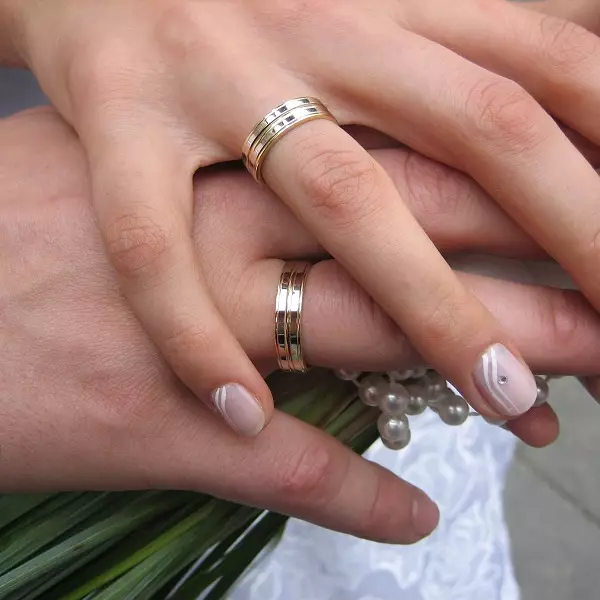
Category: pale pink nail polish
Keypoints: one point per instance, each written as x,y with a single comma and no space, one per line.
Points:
240,409
504,381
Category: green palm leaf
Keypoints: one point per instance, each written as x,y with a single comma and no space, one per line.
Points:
154,545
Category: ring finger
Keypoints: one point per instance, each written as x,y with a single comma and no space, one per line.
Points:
346,199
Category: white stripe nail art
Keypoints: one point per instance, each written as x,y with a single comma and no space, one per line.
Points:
505,382
240,409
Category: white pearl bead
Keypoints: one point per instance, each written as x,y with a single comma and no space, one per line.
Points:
397,445
434,403
395,400
497,422
435,400
400,375
453,410
435,383
420,371
417,403
371,388
543,391
393,429
346,375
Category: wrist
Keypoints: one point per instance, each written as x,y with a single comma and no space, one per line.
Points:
10,34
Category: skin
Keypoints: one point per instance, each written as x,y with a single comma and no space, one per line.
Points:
462,83
586,13
96,397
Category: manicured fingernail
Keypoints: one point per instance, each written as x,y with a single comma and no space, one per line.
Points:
425,514
505,382
239,408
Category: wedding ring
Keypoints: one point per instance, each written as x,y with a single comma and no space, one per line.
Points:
275,125
288,317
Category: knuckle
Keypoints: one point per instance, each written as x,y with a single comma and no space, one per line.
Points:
562,311
302,20
587,256
310,475
139,247
567,45
448,319
343,187
186,343
502,113
182,31
431,188
100,75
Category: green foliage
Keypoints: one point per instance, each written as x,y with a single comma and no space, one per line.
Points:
154,545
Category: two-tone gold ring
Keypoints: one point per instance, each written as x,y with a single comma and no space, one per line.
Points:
290,291
288,317
275,125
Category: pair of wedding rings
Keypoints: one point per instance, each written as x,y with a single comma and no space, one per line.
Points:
288,302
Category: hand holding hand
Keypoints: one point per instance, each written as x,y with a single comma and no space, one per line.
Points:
157,89
96,398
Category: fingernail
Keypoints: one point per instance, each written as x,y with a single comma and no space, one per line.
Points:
425,514
239,408
505,382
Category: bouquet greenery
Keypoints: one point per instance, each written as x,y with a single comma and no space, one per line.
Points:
156,545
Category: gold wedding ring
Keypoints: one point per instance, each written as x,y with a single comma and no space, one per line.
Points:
288,317
275,125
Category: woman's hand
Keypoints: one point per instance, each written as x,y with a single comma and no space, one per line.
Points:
157,89
95,397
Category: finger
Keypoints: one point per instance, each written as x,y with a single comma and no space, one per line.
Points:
495,132
347,200
452,209
297,470
143,202
557,331
582,12
538,427
343,328
555,60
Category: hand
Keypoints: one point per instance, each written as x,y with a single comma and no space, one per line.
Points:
157,89
585,13
95,397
